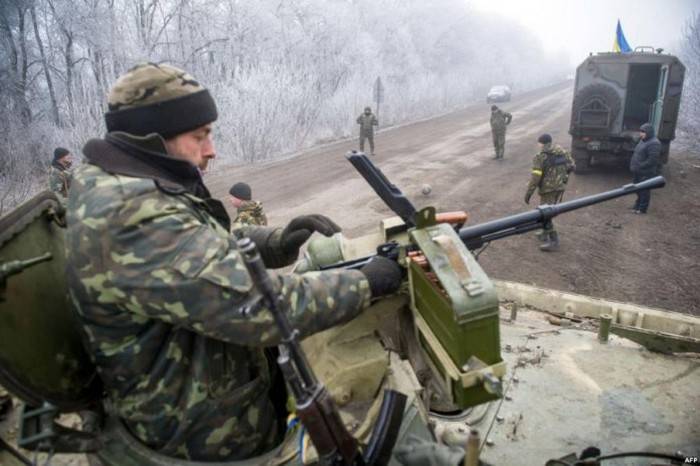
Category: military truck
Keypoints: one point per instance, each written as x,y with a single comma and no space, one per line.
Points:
614,94
488,378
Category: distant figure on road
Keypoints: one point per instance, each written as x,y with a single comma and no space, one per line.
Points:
550,173
499,121
367,122
249,212
60,174
645,164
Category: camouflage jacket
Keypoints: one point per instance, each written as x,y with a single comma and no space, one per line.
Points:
172,320
500,119
550,170
251,213
60,179
367,122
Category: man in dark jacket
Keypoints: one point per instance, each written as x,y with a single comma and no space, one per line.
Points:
645,164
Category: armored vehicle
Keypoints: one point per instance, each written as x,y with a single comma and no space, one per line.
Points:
614,94
487,376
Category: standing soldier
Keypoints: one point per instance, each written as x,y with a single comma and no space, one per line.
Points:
550,173
249,212
367,122
60,174
499,121
645,164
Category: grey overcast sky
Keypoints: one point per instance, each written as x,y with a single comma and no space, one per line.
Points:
576,27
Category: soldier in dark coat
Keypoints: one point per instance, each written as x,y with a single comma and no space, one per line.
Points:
645,164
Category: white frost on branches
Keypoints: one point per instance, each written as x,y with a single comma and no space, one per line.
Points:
689,120
286,74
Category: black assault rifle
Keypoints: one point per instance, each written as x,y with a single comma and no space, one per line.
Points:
314,405
476,236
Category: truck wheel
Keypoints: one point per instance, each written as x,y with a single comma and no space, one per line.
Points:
583,161
601,92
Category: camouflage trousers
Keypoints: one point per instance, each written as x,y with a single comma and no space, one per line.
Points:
550,198
499,143
370,137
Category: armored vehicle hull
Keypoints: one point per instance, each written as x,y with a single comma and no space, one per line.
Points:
614,94
444,341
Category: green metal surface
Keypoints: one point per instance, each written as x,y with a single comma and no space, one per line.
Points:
464,318
660,342
41,353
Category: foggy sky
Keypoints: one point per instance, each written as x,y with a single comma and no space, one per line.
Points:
576,27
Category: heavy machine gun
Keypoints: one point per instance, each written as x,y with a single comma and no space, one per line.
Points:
475,236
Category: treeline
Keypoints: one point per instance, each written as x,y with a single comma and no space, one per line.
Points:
285,73
689,120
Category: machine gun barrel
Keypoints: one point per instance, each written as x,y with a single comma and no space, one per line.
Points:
476,236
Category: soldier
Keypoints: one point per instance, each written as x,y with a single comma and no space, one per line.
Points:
550,173
60,173
367,122
645,164
174,323
499,121
249,212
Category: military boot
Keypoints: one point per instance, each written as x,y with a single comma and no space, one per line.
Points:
552,242
541,236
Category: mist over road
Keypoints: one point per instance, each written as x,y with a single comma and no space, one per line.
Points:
606,250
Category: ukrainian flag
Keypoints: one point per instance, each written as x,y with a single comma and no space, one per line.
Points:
620,44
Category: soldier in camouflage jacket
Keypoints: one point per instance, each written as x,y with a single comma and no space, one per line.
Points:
60,173
499,121
367,122
172,319
248,211
550,173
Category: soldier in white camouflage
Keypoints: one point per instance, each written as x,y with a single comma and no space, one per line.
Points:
60,173
499,121
174,323
367,122
550,173
248,211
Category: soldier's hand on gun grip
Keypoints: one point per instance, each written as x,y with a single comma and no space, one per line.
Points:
384,276
301,228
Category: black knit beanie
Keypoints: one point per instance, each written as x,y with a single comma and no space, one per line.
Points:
241,191
59,153
158,98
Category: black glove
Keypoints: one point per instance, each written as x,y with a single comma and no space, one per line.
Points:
300,228
383,275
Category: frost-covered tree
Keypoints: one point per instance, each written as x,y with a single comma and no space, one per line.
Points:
286,74
689,121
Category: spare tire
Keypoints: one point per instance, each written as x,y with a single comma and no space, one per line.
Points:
602,92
